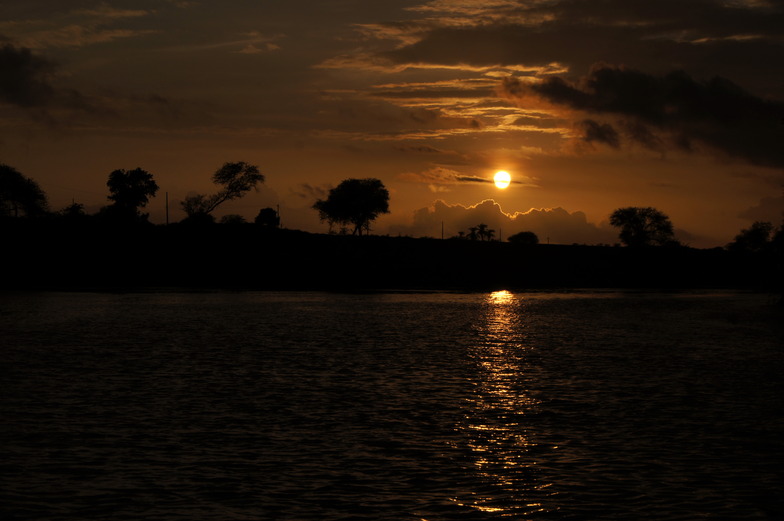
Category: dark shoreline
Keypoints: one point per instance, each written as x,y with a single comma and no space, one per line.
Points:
253,258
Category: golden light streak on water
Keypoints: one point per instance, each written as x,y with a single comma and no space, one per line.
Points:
496,436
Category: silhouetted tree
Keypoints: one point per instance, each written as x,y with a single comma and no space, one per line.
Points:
74,214
481,231
236,179
73,210
268,218
20,196
473,234
354,202
756,238
643,226
528,238
129,191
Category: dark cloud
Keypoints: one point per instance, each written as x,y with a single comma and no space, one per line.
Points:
539,121
24,77
438,176
311,192
707,37
769,209
600,132
27,82
715,113
420,149
434,93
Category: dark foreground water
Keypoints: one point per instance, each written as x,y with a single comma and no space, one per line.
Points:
317,406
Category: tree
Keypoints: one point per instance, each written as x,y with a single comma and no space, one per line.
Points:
74,214
756,238
131,189
236,179
528,238
20,196
481,231
268,218
354,202
642,226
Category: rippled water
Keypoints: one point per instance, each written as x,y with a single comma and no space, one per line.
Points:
437,406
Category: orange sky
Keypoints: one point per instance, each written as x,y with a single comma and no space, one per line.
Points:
590,106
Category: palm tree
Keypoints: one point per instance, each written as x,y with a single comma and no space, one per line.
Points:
482,231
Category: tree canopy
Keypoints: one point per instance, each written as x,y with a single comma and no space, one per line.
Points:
755,238
268,217
132,188
354,202
20,196
529,238
643,226
236,179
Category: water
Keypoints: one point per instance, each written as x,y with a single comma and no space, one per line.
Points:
428,406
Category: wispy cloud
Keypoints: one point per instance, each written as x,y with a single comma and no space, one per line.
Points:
440,178
76,28
252,42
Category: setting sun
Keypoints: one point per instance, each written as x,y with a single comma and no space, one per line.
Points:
502,179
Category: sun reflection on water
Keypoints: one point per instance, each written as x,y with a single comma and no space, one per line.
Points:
495,421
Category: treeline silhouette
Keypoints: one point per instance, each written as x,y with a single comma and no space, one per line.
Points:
120,249
58,255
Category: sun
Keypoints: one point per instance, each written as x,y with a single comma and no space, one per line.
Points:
502,179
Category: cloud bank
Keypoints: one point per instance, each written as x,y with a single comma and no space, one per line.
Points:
660,112
554,225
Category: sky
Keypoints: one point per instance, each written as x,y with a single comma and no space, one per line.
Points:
589,105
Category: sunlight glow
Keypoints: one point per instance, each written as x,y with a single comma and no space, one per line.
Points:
502,179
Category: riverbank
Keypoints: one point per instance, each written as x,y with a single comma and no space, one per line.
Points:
250,257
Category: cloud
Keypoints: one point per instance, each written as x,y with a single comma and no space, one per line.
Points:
599,132
419,149
76,28
554,225
769,209
311,193
24,77
107,12
554,36
674,108
252,49
438,177
252,42
27,81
